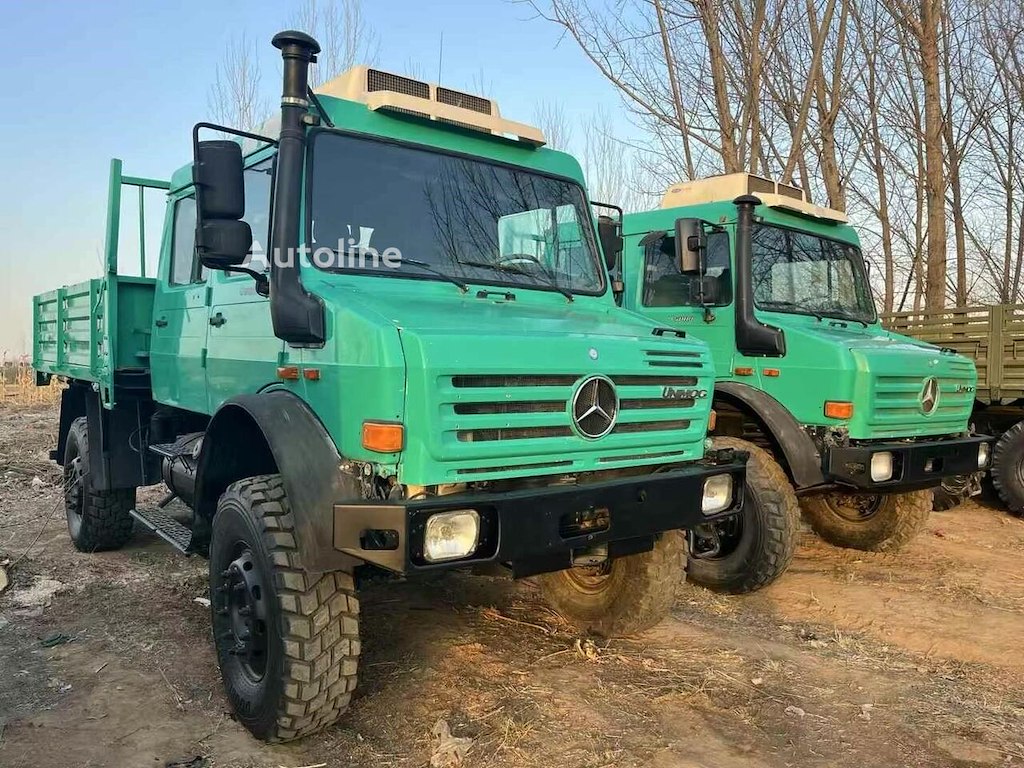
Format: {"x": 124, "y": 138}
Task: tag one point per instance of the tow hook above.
{"x": 590, "y": 556}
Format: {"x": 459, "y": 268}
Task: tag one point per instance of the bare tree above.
{"x": 343, "y": 33}
{"x": 236, "y": 98}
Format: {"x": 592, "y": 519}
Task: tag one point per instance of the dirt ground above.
{"x": 851, "y": 659}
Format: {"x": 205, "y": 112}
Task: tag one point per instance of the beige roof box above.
{"x": 388, "y": 92}
{"x": 730, "y": 186}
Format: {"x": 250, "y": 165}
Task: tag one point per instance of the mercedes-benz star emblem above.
{"x": 929, "y": 396}
{"x": 595, "y": 407}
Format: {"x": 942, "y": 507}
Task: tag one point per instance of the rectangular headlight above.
{"x": 451, "y": 535}
{"x": 881, "y": 466}
{"x": 717, "y": 494}
{"x": 983, "y": 453}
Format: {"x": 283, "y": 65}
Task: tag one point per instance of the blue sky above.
{"x": 82, "y": 82}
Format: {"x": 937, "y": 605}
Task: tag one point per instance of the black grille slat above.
{"x": 649, "y": 403}
{"x": 530, "y": 406}
{"x": 464, "y": 100}
{"x": 655, "y": 381}
{"x": 528, "y": 380}
{"x": 385, "y": 81}
{"x": 650, "y": 426}
{"x": 511, "y": 433}
{"x": 673, "y": 364}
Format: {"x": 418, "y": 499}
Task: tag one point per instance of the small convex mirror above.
{"x": 223, "y": 240}
{"x": 691, "y": 241}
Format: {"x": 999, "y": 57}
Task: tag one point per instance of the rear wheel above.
{"x": 622, "y": 596}
{"x": 1008, "y": 468}
{"x": 750, "y": 550}
{"x": 97, "y": 520}
{"x": 287, "y": 640}
{"x": 868, "y": 521}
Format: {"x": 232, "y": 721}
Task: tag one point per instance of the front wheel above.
{"x": 287, "y": 640}
{"x": 1008, "y": 468}
{"x": 622, "y": 596}
{"x": 873, "y": 522}
{"x": 748, "y": 551}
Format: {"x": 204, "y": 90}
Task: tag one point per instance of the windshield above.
{"x": 803, "y": 273}
{"x": 391, "y": 209}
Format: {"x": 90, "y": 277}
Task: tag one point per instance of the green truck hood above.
{"x": 490, "y": 382}
{"x": 885, "y": 379}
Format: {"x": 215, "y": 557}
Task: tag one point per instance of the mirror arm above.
{"x": 262, "y": 283}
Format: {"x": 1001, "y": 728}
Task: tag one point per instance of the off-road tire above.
{"x": 771, "y": 528}
{"x": 953, "y": 492}
{"x": 898, "y": 519}
{"x": 311, "y": 627}
{"x": 633, "y": 594}
{"x": 1008, "y": 468}
{"x": 97, "y": 520}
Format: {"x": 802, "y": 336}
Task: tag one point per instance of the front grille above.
{"x": 897, "y": 404}
{"x": 497, "y": 408}
{"x": 660, "y": 358}
{"x": 464, "y": 100}
{"x": 385, "y": 81}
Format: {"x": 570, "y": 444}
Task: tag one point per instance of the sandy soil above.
{"x": 851, "y": 659}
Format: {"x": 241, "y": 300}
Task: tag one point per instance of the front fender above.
{"x": 802, "y": 458}
{"x": 277, "y": 432}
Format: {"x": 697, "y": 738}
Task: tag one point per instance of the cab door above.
{"x": 674, "y": 299}
{"x": 243, "y": 352}
{"x": 180, "y": 315}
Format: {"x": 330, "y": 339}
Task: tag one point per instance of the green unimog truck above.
{"x": 367, "y": 346}
{"x": 993, "y": 337}
{"x": 862, "y": 422}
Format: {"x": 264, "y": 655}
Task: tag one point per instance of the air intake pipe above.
{"x": 753, "y": 337}
{"x": 297, "y": 314}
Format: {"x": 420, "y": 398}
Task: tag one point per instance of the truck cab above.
{"x": 863, "y": 421}
{"x": 382, "y": 336}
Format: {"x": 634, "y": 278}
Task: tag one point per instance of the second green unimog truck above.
{"x": 371, "y": 343}
{"x": 858, "y": 422}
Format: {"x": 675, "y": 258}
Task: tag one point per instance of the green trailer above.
{"x": 381, "y": 337}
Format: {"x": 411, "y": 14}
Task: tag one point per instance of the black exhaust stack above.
{"x": 753, "y": 337}
{"x": 297, "y": 314}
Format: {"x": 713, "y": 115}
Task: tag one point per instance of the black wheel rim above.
{"x": 73, "y": 494}
{"x": 854, "y": 507}
{"x": 240, "y": 616}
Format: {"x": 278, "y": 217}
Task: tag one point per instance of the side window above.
{"x": 666, "y": 286}
{"x": 257, "y": 212}
{"x": 183, "y": 243}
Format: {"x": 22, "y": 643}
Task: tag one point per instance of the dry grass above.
{"x": 19, "y": 386}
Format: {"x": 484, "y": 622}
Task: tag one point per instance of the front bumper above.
{"x": 916, "y": 465}
{"x": 533, "y": 529}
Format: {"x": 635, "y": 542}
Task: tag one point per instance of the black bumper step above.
{"x": 166, "y": 527}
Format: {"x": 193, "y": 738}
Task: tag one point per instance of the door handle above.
{"x": 161, "y": 322}
{"x": 218, "y": 320}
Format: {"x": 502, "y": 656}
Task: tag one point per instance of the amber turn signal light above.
{"x": 383, "y": 438}
{"x": 712, "y": 420}
{"x": 838, "y": 409}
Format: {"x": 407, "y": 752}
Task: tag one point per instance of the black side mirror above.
{"x": 610, "y": 233}
{"x": 223, "y": 240}
{"x": 691, "y": 242}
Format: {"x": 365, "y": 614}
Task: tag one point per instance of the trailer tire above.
{"x": 97, "y": 520}
{"x": 873, "y": 522}
{"x": 624, "y": 596}
{"x": 769, "y": 527}
{"x": 287, "y": 640}
{"x": 1008, "y": 468}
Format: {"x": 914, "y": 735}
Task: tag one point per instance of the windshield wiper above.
{"x": 791, "y": 305}
{"x": 434, "y": 270}
{"x": 548, "y": 279}
{"x": 844, "y": 316}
